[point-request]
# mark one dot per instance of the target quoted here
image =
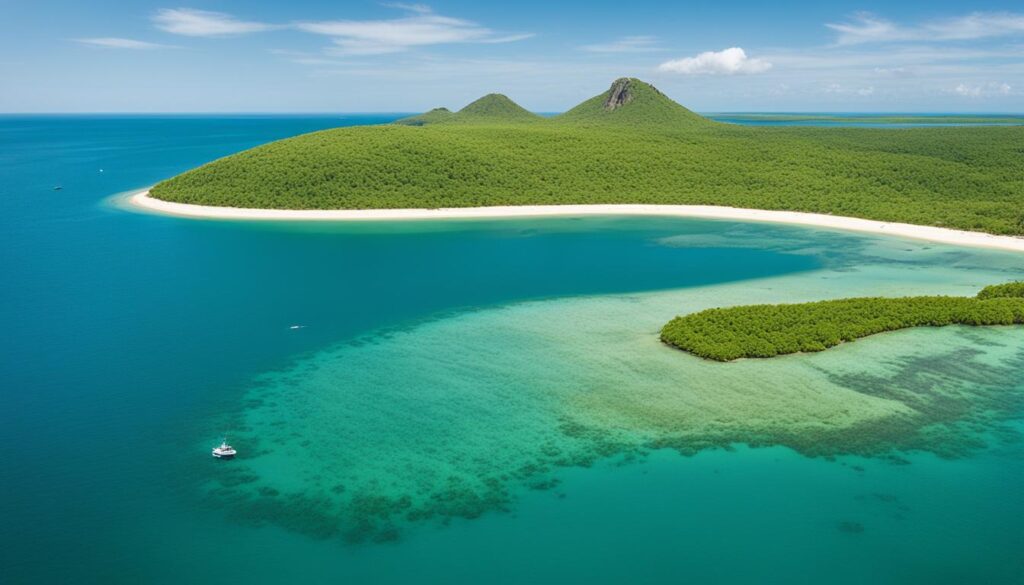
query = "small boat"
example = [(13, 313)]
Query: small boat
[(225, 451), (57, 188)]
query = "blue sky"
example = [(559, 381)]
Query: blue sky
[(356, 56)]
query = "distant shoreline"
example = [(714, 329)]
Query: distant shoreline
[(143, 201)]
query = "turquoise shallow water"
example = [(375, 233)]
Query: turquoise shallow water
[(469, 401)]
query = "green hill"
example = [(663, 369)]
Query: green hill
[(632, 102), (497, 106), (493, 108), (435, 116), (631, 144)]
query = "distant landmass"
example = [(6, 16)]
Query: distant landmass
[(627, 102), (629, 144), (492, 107), (873, 119)]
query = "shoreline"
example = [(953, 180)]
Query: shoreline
[(142, 201)]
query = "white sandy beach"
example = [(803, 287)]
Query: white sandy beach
[(143, 201)]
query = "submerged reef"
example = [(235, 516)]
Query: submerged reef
[(340, 449), (449, 419)]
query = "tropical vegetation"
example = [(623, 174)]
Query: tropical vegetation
[(630, 144), (761, 331), (1010, 289), (490, 109)]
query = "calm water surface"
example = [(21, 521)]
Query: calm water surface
[(468, 401)]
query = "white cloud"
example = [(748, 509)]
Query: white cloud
[(967, 90), (893, 71), (420, 27), (203, 23), (982, 90), (423, 28), (732, 61), (416, 8), (119, 43), (635, 44), (978, 25), (838, 89), (868, 28), (905, 59), (507, 39)]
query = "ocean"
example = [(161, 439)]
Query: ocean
[(469, 401)]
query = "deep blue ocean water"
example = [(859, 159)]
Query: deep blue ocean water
[(126, 333)]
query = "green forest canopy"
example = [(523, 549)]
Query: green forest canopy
[(759, 331), (630, 144)]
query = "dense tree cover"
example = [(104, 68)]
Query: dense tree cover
[(772, 330), (1010, 289), (650, 150), (435, 116), (498, 106)]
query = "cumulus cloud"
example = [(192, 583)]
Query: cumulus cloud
[(376, 37), (982, 90), (203, 23), (967, 90), (635, 44), (732, 61), (120, 43), (868, 28)]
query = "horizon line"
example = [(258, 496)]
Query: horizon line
[(415, 112)]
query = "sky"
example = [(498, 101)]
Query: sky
[(365, 56)]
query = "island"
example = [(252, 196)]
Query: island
[(763, 331), (630, 145)]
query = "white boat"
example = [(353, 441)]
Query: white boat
[(225, 451)]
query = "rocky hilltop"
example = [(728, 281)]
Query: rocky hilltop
[(630, 144), (620, 94), (628, 100)]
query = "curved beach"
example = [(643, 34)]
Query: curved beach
[(143, 201)]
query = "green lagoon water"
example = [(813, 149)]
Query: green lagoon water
[(475, 401)]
